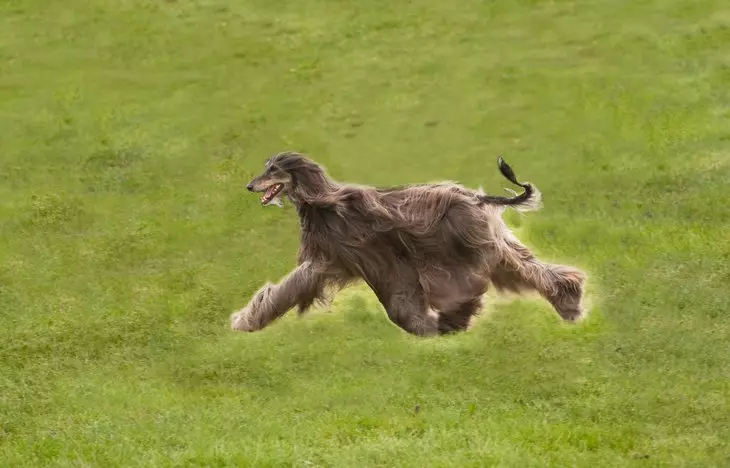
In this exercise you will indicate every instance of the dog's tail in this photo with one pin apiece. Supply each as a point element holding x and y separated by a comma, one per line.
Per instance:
<point>529,200</point>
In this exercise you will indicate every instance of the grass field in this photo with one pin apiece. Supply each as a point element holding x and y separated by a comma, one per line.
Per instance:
<point>128,132</point>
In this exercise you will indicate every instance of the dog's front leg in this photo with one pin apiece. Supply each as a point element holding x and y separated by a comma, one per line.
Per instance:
<point>274,300</point>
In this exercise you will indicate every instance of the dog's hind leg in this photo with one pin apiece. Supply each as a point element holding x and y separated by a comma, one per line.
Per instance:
<point>458,319</point>
<point>405,303</point>
<point>300,287</point>
<point>560,285</point>
<point>408,310</point>
<point>457,296</point>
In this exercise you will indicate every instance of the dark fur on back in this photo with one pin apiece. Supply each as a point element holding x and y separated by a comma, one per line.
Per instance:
<point>428,251</point>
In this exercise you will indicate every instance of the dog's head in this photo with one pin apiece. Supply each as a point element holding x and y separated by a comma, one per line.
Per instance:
<point>290,174</point>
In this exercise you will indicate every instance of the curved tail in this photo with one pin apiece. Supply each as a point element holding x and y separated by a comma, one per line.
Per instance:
<point>530,199</point>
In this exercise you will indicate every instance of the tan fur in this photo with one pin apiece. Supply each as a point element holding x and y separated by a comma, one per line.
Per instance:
<point>420,248</point>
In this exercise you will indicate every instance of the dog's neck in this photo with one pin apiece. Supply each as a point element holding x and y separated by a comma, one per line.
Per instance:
<point>313,215</point>
<point>321,194</point>
<point>313,204</point>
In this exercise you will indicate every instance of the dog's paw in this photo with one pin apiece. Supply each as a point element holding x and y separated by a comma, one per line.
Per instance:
<point>240,320</point>
<point>572,315</point>
<point>247,319</point>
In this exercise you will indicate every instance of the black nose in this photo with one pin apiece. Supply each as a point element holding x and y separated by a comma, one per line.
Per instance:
<point>250,187</point>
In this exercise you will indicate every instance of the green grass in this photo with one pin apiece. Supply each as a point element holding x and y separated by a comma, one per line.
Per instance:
<point>129,130</point>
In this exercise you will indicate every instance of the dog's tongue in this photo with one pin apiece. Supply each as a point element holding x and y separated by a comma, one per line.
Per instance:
<point>269,193</point>
<point>270,199</point>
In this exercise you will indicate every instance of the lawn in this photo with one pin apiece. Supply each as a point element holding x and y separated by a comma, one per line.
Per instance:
<point>128,130</point>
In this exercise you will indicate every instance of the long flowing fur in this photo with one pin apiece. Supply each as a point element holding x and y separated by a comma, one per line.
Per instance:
<point>428,251</point>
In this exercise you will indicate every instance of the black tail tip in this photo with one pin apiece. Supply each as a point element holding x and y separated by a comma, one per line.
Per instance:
<point>507,171</point>
<point>504,168</point>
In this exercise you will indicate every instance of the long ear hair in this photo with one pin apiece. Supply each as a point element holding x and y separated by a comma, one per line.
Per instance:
<point>310,183</point>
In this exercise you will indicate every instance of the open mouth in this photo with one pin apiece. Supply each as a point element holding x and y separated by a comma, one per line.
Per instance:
<point>271,193</point>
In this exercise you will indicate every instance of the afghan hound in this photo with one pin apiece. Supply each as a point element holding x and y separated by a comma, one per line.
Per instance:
<point>428,251</point>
